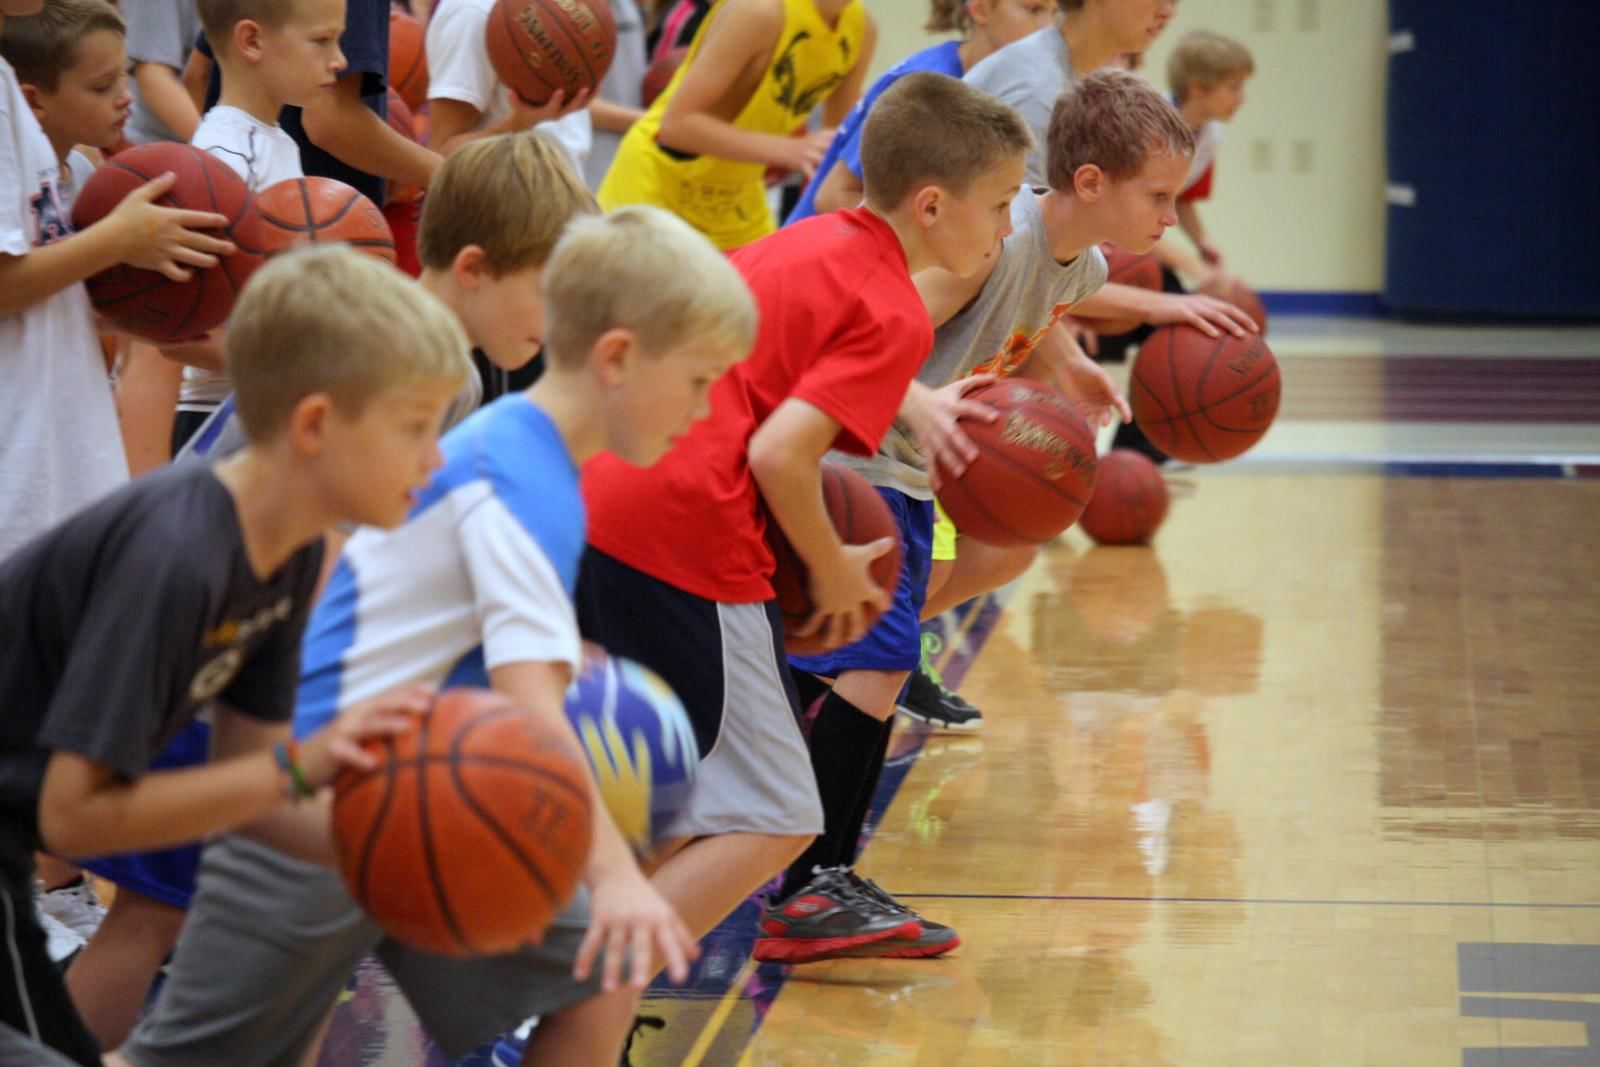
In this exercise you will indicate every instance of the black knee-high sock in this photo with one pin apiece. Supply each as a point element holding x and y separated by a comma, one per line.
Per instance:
<point>858,818</point>
<point>844,751</point>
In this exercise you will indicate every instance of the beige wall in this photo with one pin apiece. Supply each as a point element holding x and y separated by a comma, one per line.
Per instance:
<point>1299,197</point>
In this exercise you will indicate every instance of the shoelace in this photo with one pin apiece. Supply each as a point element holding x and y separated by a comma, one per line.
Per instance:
<point>839,881</point>
<point>877,892</point>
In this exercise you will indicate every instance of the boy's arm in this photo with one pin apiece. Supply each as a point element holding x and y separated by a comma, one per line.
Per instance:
<point>613,117</point>
<point>738,42</point>
<point>137,232</point>
<point>1061,361</point>
<point>840,189</point>
<point>1205,313</point>
<point>837,107</point>
<point>340,123</point>
<point>167,98</point>
<point>629,916</point>
<point>451,122</point>
<point>196,76</point>
<point>786,461</point>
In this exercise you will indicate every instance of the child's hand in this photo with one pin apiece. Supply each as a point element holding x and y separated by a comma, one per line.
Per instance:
<point>805,153</point>
<point>526,116</point>
<point>1205,313</point>
<point>338,745</point>
<point>839,595</point>
<point>1091,390</point>
<point>630,918</point>
<point>934,420</point>
<point>1211,255</point>
<point>166,238</point>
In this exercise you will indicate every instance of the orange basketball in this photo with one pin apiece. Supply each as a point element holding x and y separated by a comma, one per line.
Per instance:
<point>1204,399</point>
<point>471,834</point>
<point>659,75</point>
<point>1126,268</point>
<point>860,516</point>
<point>539,46</point>
<point>1245,299</point>
<point>302,211</point>
<point>145,302</point>
<point>408,59</point>
<point>1129,501</point>
<point>1035,468</point>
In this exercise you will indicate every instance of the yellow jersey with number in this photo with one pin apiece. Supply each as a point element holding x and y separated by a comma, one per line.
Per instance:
<point>725,199</point>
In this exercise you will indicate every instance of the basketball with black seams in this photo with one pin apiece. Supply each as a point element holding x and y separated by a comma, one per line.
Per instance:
<point>470,835</point>
<point>302,211</point>
<point>860,517</point>
<point>1035,469</point>
<point>147,303</point>
<point>1142,271</point>
<point>539,46</point>
<point>1204,399</point>
<point>1129,502</point>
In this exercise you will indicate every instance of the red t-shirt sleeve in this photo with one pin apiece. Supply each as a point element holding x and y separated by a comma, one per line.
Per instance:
<point>1201,189</point>
<point>863,376</point>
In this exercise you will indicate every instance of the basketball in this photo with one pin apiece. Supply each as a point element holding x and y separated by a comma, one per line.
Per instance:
<point>471,834</point>
<point>539,46</point>
<point>408,59</point>
<point>146,302</point>
<point>1245,299</point>
<point>659,75</point>
<point>303,211</point>
<point>860,516</point>
<point>1129,501</point>
<point>1126,268</point>
<point>1035,469</point>
<point>401,120</point>
<point>1204,399</point>
<point>639,741</point>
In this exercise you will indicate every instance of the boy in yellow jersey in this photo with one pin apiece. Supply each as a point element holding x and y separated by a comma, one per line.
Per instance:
<point>754,72</point>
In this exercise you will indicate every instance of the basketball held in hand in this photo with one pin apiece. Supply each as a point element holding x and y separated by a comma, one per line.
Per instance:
<point>1204,399</point>
<point>539,46</point>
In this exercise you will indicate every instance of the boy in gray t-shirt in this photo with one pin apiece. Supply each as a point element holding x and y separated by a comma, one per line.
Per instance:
<point>1029,74</point>
<point>161,33</point>
<point>1118,153</point>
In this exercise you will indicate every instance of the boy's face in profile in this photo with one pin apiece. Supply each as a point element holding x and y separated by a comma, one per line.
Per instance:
<point>1138,210</point>
<point>970,227</point>
<point>660,397</point>
<point>374,465</point>
<point>504,316</point>
<point>1221,100</point>
<point>301,58</point>
<point>1137,23</point>
<point>90,102</point>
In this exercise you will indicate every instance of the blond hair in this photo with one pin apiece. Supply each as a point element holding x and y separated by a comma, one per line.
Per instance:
<point>1116,121</point>
<point>1204,59</point>
<point>931,129</point>
<point>329,319</point>
<point>43,46</point>
<point>647,271</point>
<point>219,17</point>
<point>510,195</point>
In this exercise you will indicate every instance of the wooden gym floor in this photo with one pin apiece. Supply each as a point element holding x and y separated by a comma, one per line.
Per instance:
<point>1314,780</point>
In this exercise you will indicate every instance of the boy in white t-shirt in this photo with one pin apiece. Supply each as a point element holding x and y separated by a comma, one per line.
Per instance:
<point>271,54</point>
<point>59,445</point>
<point>467,99</point>
<point>618,102</point>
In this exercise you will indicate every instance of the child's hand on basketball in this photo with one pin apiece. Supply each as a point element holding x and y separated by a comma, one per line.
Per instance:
<point>934,418</point>
<point>339,744</point>
<point>525,115</point>
<point>1205,313</point>
<point>631,920</point>
<point>166,239</point>
<point>840,593</point>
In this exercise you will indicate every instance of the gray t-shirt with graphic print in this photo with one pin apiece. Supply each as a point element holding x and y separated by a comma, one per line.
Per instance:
<point>994,334</point>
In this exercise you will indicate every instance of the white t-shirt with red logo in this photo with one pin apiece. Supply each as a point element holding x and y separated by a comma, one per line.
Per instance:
<point>59,443</point>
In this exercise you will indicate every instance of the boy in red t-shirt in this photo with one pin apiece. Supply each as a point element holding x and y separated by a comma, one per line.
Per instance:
<point>678,570</point>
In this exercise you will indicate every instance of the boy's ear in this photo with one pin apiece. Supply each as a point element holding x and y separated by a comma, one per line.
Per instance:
<point>1089,182</point>
<point>308,424</point>
<point>470,267</point>
<point>246,39</point>
<point>978,11</point>
<point>611,353</point>
<point>30,93</point>
<point>926,204</point>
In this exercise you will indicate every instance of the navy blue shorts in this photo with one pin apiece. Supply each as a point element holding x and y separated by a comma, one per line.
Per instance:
<point>167,875</point>
<point>895,641</point>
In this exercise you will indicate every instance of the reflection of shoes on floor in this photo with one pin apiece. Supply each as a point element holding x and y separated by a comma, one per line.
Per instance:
<point>76,906</point>
<point>927,700</point>
<point>935,939</point>
<point>827,914</point>
<point>63,942</point>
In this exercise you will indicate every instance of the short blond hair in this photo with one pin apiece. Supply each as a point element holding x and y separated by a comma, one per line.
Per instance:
<point>1115,120</point>
<point>43,46</point>
<point>219,17</point>
<point>510,195</point>
<point>932,129</point>
<point>1203,59</point>
<point>647,271</point>
<point>329,319</point>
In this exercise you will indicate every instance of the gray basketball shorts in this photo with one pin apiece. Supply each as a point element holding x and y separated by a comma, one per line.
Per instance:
<point>270,941</point>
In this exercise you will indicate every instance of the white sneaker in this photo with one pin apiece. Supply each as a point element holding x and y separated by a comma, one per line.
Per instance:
<point>62,940</point>
<point>76,907</point>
